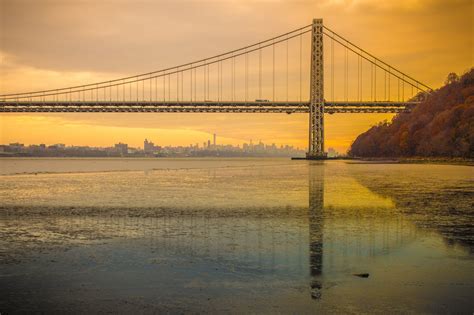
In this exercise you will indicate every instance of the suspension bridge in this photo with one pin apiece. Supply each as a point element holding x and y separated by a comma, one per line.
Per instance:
<point>283,74</point>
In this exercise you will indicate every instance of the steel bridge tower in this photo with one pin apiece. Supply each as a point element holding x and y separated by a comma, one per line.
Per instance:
<point>316,106</point>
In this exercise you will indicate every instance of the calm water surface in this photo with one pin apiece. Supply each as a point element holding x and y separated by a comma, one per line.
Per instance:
<point>235,235</point>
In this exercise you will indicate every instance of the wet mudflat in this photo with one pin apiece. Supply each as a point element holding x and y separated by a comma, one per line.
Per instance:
<point>235,235</point>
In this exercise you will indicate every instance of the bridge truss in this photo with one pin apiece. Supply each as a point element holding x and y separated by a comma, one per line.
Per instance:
<point>202,107</point>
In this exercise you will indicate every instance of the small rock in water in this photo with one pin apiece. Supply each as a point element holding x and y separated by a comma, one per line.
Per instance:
<point>362,275</point>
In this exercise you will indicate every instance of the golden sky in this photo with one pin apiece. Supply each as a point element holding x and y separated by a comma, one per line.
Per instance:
<point>53,44</point>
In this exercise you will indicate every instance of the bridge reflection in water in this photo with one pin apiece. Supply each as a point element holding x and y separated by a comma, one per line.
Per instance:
<point>308,246</point>
<point>247,235</point>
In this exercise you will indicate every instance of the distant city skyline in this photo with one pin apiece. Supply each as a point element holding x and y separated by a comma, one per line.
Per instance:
<point>149,148</point>
<point>212,141</point>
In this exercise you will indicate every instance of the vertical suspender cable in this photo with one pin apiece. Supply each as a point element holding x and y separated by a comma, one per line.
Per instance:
<point>233,79</point>
<point>301,63</point>
<point>246,76</point>
<point>375,80</point>
<point>361,81</point>
<point>347,75</point>
<point>273,74</point>
<point>398,92</point>
<point>287,70</point>
<point>403,88</point>
<point>259,72</point>
<point>230,78</point>
<point>222,81</point>
<point>371,81</point>
<point>389,83</point>
<point>358,77</point>
<point>332,68</point>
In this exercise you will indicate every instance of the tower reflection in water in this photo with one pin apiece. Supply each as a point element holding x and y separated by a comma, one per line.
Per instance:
<point>316,222</point>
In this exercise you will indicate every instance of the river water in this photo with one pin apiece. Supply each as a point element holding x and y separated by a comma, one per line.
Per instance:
<point>235,235</point>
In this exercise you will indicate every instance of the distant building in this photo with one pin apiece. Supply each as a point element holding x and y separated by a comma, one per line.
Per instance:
<point>214,140</point>
<point>148,146</point>
<point>16,144</point>
<point>16,147</point>
<point>121,148</point>
<point>332,153</point>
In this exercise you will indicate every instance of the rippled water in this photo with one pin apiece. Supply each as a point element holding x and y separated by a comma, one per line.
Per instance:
<point>235,235</point>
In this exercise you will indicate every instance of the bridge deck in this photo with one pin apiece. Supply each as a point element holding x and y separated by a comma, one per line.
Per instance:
<point>201,107</point>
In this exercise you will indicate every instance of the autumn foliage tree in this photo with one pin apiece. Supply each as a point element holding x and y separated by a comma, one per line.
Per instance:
<point>442,125</point>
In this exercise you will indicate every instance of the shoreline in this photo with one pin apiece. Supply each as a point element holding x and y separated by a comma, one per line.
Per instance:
<point>420,160</point>
<point>375,160</point>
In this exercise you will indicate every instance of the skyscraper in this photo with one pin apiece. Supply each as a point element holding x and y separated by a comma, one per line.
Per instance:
<point>214,140</point>
<point>148,146</point>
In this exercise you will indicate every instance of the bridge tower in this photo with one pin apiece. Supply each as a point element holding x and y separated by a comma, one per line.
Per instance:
<point>316,107</point>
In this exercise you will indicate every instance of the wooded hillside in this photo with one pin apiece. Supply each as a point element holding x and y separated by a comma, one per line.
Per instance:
<point>441,126</point>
